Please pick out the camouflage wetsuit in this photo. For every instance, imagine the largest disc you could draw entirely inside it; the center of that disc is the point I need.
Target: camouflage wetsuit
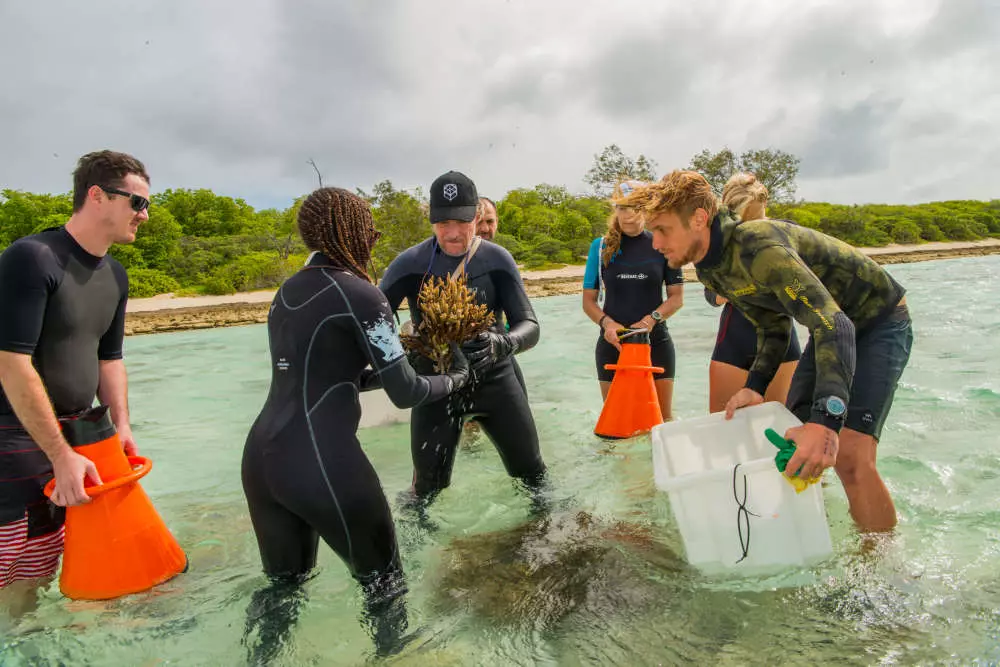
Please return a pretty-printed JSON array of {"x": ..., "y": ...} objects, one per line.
[{"x": 774, "y": 272}]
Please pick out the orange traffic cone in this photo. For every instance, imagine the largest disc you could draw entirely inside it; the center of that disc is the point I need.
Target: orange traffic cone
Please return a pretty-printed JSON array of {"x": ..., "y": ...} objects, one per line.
[
  {"x": 117, "y": 543},
  {"x": 632, "y": 407}
]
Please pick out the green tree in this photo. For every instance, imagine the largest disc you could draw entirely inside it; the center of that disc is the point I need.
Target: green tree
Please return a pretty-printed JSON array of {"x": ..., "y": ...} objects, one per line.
[
  {"x": 24, "y": 213},
  {"x": 612, "y": 165},
  {"x": 401, "y": 217},
  {"x": 776, "y": 169}
]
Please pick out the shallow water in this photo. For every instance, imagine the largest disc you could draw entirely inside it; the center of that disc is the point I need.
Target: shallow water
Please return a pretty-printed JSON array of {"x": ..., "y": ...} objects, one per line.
[{"x": 605, "y": 587}]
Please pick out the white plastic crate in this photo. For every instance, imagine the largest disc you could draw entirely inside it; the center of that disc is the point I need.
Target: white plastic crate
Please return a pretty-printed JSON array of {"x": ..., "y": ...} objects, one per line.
[{"x": 694, "y": 461}]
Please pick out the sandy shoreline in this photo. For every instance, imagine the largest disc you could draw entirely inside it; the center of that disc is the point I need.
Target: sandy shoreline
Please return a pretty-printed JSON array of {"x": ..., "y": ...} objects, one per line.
[{"x": 169, "y": 313}]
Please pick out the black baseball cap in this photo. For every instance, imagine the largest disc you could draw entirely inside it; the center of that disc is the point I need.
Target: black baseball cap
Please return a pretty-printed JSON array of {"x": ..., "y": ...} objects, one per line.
[{"x": 453, "y": 197}]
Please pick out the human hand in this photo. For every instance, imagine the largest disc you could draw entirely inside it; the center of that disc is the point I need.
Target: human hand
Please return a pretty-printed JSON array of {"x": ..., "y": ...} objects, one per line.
[
  {"x": 128, "y": 441},
  {"x": 816, "y": 448},
  {"x": 70, "y": 470},
  {"x": 487, "y": 349},
  {"x": 645, "y": 323},
  {"x": 611, "y": 332},
  {"x": 743, "y": 398},
  {"x": 459, "y": 370}
]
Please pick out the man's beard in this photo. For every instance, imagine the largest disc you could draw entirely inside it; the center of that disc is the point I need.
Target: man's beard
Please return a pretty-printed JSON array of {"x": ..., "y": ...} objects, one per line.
[{"x": 696, "y": 250}]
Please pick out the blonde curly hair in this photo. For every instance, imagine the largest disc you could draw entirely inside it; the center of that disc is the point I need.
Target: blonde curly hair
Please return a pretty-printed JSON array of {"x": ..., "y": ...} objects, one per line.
[
  {"x": 681, "y": 191},
  {"x": 744, "y": 194}
]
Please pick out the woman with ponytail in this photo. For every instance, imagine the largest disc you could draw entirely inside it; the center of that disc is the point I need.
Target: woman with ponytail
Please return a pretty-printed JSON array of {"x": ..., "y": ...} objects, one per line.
[
  {"x": 736, "y": 342},
  {"x": 630, "y": 274},
  {"x": 305, "y": 476}
]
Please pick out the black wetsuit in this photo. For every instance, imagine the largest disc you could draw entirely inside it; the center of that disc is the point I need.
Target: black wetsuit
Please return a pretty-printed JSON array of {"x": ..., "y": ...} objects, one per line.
[
  {"x": 65, "y": 308},
  {"x": 633, "y": 280},
  {"x": 497, "y": 400},
  {"x": 304, "y": 473}
]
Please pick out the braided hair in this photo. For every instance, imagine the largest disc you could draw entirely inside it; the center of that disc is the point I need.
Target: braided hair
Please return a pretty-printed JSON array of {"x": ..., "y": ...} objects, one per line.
[{"x": 339, "y": 224}]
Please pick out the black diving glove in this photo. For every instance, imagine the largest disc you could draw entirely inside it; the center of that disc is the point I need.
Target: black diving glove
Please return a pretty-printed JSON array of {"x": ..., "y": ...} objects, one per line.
[
  {"x": 459, "y": 371},
  {"x": 488, "y": 349}
]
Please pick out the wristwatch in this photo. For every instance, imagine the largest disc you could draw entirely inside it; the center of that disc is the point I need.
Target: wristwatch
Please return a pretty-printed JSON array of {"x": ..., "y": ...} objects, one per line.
[
  {"x": 831, "y": 407},
  {"x": 657, "y": 317}
]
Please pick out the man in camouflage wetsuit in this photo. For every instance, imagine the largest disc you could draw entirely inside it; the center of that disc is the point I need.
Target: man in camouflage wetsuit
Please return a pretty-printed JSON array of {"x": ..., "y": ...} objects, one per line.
[{"x": 860, "y": 329}]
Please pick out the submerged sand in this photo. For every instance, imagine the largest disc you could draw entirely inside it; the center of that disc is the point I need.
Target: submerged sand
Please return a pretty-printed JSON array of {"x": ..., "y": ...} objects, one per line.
[{"x": 167, "y": 312}]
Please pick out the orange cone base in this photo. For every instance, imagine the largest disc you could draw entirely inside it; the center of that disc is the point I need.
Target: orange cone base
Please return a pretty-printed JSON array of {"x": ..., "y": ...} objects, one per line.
[
  {"x": 117, "y": 543},
  {"x": 632, "y": 407}
]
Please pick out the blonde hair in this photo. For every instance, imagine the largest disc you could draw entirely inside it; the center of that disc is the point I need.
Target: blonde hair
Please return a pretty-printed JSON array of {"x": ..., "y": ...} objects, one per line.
[
  {"x": 681, "y": 192},
  {"x": 742, "y": 191},
  {"x": 613, "y": 238}
]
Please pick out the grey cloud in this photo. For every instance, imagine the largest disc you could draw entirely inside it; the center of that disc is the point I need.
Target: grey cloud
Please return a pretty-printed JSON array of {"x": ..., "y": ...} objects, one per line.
[
  {"x": 238, "y": 98},
  {"x": 960, "y": 26},
  {"x": 849, "y": 140}
]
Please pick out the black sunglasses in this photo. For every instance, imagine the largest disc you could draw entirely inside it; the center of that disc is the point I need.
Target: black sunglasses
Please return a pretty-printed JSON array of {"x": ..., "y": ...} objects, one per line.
[{"x": 137, "y": 202}]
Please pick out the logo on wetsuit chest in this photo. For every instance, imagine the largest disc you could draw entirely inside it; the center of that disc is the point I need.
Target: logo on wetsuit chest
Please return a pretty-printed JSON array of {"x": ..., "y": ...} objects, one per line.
[
  {"x": 283, "y": 364},
  {"x": 632, "y": 276},
  {"x": 382, "y": 337}
]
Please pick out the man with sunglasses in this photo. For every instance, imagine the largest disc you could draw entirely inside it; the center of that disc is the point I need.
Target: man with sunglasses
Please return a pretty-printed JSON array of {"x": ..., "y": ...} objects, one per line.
[{"x": 62, "y": 326}]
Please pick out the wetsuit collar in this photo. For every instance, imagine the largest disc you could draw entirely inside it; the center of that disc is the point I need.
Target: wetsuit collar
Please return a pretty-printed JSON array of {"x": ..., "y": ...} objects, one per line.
[
  {"x": 90, "y": 261},
  {"x": 715, "y": 243}
]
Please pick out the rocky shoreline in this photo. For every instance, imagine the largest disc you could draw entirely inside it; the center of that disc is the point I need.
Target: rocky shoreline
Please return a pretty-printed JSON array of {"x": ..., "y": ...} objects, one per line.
[{"x": 164, "y": 314}]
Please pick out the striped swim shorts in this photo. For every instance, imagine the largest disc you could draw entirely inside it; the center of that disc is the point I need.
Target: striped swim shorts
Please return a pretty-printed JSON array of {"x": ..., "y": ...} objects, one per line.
[
  {"x": 31, "y": 527},
  {"x": 30, "y": 547}
]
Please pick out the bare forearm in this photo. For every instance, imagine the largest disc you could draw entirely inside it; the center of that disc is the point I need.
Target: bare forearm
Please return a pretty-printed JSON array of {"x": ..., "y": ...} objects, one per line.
[
  {"x": 113, "y": 391},
  {"x": 26, "y": 394},
  {"x": 674, "y": 302},
  {"x": 590, "y": 306}
]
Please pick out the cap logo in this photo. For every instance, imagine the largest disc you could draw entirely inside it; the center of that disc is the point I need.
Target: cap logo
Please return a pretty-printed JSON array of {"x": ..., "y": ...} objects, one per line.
[{"x": 450, "y": 191}]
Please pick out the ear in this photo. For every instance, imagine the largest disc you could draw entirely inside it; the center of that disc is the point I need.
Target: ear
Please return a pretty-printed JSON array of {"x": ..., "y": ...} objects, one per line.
[
  {"x": 95, "y": 194},
  {"x": 701, "y": 218}
]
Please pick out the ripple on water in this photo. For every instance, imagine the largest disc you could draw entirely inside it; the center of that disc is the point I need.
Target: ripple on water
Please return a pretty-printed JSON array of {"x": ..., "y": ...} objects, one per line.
[{"x": 492, "y": 586}]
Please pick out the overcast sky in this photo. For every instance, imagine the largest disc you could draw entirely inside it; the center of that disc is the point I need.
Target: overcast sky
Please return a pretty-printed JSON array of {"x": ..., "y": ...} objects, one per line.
[{"x": 884, "y": 101}]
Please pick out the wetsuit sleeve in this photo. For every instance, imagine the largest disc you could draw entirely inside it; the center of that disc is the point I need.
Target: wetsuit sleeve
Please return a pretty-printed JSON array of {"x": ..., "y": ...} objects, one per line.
[
  {"x": 398, "y": 282},
  {"x": 774, "y": 331},
  {"x": 783, "y": 272},
  {"x": 524, "y": 328},
  {"x": 113, "y": 340},
  {"x": 672, "y": 276},
  {"x": 379, "y": 339},
  {"x": 27, "y": 277},
  {"x": 591, "y": 273}
]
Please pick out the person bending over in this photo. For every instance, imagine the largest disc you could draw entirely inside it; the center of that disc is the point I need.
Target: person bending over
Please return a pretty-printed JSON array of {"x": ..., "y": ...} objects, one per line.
[{"x": 776, "y": 272}]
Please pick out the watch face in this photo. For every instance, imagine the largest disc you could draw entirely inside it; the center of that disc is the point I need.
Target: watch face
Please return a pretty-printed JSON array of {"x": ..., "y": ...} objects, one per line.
[
  {"x": 656, "y": 315},
  {"x": 835, "y": 406}
]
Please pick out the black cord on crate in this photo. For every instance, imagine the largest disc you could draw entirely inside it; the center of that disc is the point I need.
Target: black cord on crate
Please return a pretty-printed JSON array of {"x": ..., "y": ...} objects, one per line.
[{"x": 742, "y": 515}]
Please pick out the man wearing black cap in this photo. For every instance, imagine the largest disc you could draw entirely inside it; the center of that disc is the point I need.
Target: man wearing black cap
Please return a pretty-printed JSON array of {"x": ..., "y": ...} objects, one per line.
[{"x": 496, "y": 398}]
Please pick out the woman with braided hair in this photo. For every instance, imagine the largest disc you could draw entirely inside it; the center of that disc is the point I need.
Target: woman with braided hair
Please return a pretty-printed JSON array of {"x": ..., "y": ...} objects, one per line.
[
  {"x": 624, "y": 266},
  {"x": 305, "y": 475}
]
